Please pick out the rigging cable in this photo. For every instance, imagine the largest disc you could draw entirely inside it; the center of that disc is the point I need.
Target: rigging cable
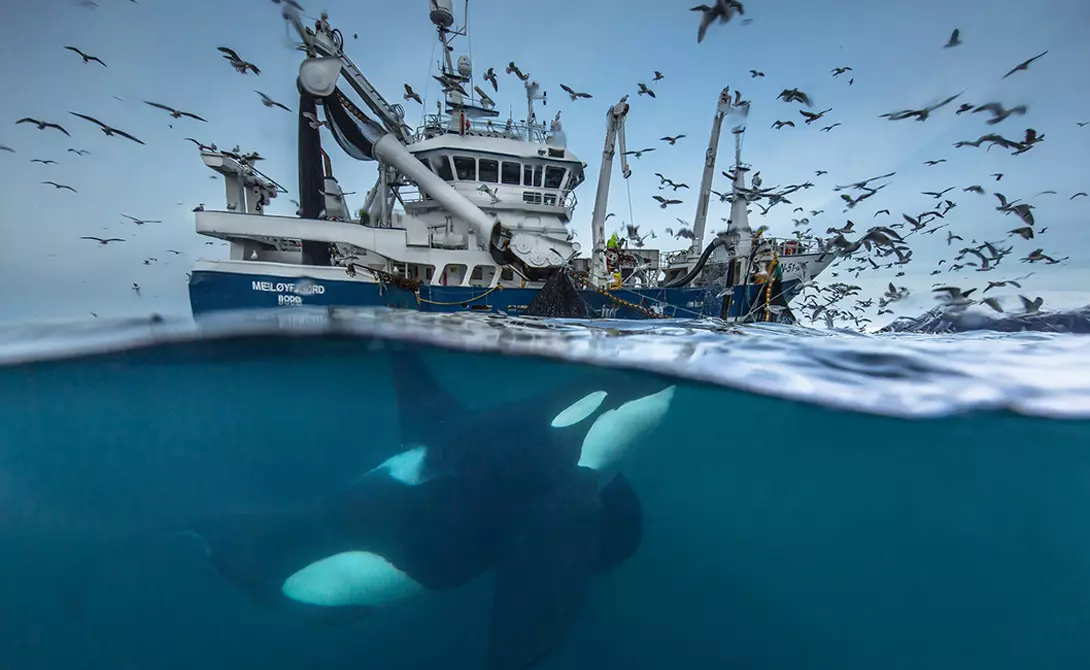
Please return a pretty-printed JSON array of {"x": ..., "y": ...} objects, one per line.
[
  {"x": 469, "y": 41},
  {"x": 427, "y": 89},
  {"x": 631, "y": 212}
]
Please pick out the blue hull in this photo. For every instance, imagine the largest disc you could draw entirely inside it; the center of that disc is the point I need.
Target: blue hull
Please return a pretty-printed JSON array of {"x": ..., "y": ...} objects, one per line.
[{"x": 216, "y": 291}]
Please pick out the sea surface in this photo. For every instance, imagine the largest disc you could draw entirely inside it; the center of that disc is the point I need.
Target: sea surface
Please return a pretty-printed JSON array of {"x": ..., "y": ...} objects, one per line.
[{"x": 814, "y": 499}]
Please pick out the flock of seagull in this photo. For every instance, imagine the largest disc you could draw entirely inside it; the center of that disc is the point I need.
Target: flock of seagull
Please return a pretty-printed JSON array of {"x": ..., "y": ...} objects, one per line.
[
  {"x": 237, "y": 63},
  {"x": 878, "y": 247}
]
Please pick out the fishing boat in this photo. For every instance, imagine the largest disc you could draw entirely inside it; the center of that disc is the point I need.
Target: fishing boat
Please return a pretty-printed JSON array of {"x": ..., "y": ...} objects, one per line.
[{"x": 472, "y": 213}]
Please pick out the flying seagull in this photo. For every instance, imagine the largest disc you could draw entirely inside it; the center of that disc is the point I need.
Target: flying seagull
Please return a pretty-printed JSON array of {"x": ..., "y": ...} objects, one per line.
[
  {"x": 107, "y": 129},
  {"x": 269, "y": 102},
  {"x": 175, "y": 113},
  {"x": 60, "y": 186},
  {"x": 42, "y": 125},
  {"x": 86, "y": 58},
  {"x": 237, "y": 62}
]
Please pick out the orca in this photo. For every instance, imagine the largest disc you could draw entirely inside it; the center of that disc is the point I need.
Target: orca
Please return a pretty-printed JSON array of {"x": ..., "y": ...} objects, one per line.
[{"x": 529, "y": 489}]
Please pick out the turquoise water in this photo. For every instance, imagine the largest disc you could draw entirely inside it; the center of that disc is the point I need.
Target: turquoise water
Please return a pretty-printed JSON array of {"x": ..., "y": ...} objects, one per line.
[{"x": 811, "y": 500}]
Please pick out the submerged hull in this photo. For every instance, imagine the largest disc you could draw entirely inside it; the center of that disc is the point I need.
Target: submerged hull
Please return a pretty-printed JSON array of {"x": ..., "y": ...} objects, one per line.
[{"x": 214, "y": 288}]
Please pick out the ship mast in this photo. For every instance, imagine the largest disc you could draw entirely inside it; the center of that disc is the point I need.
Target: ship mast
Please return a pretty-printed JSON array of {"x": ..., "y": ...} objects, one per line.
[{"x": 739, "y": 206}]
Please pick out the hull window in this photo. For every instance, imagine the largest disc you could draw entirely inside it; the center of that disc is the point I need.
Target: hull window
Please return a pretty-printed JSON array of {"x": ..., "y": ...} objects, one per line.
[
  {"x": 488, "y": 171},
  {"x": 554, "y": 177},
  {"x": 531, "y": 175},
  {"x": 465, "y": 168},
  {"x": 441, "y": 166},
  {"x": 510, "y": 173}
]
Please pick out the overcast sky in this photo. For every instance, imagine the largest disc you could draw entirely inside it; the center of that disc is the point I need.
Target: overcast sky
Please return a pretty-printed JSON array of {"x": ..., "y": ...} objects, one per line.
[{"x": 165, "y": 51}]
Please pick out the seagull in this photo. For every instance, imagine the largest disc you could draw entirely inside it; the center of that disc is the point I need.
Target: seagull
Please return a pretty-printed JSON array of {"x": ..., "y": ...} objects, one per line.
[
  {"x": 236, "y": 61},
  {"x": 86, "y": 58},
  {"x": 315, "y": 123},
  {"x": 723, "y": 10},
  {"x": 175, "y": 113},
  {"x": 658, "y": 76},
  {"x": 107, "y": 129},
  {"x": 1001, "y": 284},
  {"x": 756, "y": 73},
  {"x": 645, "y": 91},
  {"x": 139, "y": 222},
  {"x": 410, "y": 94},
  {"x": 671, "y": 140},
  {"x": 42, "y": 125},
  {"x": 793, "y": 95},
  {"x": 811, "y": 116},
  {"x": 269, "y": 102},
  {"x": 514, "y": 69},
  {"x": 575, "y": 95},
  {"x": 9, "y": 149},
  {"x": 43, "y": 162},
  {"x": 1024, "y": 65},
  {"x": 837, "y": 71},
  {"x": 490, "y": 76},
  {"x": 60, "y": 186},
  {"x": 79, "y": 152},
  {"x": 1000, "y": 113},
  {"x": 955, "y": 39},
  {"x": 102, "y": 241}
]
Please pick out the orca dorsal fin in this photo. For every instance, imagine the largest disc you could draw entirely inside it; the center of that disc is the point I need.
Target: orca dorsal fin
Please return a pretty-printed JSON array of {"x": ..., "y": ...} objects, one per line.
[{"x": 426, "y": 411}]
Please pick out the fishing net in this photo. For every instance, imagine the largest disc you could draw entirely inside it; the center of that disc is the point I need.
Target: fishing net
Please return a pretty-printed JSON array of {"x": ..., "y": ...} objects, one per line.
[{"x": 559, "y": 298}]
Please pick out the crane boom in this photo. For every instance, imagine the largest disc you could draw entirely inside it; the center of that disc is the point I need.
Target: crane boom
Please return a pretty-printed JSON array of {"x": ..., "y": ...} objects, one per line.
[
  {"x": 701, "y": 218},
  {"x": 615, "y": 137},
  {"x": 321, "y": 43}
]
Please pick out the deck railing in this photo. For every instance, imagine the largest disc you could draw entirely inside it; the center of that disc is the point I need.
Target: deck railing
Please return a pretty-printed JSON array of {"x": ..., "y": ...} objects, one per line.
[{"x": 436, "y": 125}]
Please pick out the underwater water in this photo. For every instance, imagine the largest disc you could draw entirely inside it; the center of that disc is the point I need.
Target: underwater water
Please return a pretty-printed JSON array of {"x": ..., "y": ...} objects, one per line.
[{"x": 811, "y": 500}]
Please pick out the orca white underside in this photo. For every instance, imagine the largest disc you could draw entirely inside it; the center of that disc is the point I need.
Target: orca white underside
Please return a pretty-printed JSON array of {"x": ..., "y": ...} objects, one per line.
[
  {"x": 615, "y": 431},
  {"x": 351, "y": 578}
]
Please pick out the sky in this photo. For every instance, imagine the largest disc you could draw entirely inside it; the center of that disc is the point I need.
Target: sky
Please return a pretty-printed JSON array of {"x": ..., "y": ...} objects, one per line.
[{"x": 165, "y": 51}]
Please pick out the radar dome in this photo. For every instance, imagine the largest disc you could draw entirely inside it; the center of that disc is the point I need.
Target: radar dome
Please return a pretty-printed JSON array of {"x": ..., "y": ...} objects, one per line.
[
  {"x": 465, "y": 66},
  {"x": 442, "y": 13}
]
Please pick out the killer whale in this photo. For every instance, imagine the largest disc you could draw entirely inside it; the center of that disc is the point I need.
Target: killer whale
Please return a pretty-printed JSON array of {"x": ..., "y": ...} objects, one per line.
[{"x": 529, "y": 489}]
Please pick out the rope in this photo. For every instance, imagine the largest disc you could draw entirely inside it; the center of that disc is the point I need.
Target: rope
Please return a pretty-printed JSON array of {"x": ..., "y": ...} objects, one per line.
[
  {"x": 631, "y": 213},
  {"x": 620, "y": 301},
  {"x": 768, "y": 284},
  {"x": 497, "y": 287},
  {"x": 427, "y": 89},
  {"x": 397, "y": 280}
]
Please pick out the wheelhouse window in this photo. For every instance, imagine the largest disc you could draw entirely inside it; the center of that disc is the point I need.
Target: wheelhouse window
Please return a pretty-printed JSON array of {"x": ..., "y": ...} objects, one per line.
[
  {"x": 554, "y": 176},
  {"x": 531, "y": 175},
  {"x": 488, "y": 171},
  {"x": 509, "y": 173},
  {"x": 440, "y": 165},
  {"x": 465, "y": 168}
]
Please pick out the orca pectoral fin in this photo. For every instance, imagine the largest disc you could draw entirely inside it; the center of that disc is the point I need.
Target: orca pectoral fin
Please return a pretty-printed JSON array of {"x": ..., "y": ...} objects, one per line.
[{"x": 543, "y": 579}]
